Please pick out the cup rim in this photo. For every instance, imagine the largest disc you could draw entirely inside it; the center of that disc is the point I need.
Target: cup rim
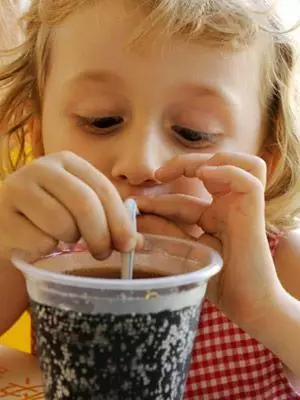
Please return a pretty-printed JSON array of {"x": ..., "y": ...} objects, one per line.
[{"x": 202, "y": 275}]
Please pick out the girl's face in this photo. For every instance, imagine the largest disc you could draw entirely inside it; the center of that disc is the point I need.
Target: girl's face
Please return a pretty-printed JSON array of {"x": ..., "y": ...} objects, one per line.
[{"x": 129, "y": 111}]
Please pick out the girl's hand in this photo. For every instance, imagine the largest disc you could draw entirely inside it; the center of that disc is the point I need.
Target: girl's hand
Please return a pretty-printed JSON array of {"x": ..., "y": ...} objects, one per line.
[
  {"x": 245, "y": 288},
  {"x": 62, "y": 197}
]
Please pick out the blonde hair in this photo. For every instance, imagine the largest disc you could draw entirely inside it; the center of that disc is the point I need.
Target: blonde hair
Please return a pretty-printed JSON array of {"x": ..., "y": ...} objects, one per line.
[{"x": 231, "y": 24}]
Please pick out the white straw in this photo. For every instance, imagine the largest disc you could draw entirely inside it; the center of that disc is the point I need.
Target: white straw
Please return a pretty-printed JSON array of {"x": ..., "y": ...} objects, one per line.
[{"x": 127, "y": 259}]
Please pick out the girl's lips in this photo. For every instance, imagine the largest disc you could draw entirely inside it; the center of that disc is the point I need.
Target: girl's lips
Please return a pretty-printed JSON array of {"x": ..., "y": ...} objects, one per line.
[{"x": 142, "y": 191}]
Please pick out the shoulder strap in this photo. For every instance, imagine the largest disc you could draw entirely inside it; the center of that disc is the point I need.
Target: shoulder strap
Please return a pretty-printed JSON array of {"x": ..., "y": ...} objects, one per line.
[{"x": 274, "y": 240}]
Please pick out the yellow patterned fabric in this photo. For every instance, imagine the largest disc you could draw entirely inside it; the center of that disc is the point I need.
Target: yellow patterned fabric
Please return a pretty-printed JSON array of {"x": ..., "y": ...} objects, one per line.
[{"x": 18, "y": 337}]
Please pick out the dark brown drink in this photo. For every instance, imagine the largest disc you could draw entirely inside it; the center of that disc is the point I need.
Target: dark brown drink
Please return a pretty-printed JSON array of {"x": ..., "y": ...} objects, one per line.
[{"x": 114, "y": 273}]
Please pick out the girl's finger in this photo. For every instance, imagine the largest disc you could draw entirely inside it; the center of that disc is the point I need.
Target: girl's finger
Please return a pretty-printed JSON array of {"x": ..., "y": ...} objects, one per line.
[
  {"x": 231, "y": 178},
  {"x": 183, "y": 165},
  {"x": 247, "y": 162},
  {"x": 190, "y": 214},
  {"x": 118, "y": 220},
  {"x": 187, "y": 165},
  {"x": 99, "y": 211},
  {"x": 46, "y": 213},
  {"x": 21, "y": 234},
  {"x": 158, "y": 225},
  {"x": 85, "y": 206},
  {"x": 177, "y": 207}
]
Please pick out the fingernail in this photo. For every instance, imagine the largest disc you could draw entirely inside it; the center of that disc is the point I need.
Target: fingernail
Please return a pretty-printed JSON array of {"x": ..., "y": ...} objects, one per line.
[
  {"x": 103, "y": 256},
  {"x": 159, "y": 172},
  {"x": 204, "y": 170},
  {"x": 139, "y": 242},
  {"x": 129, "y": 245}
]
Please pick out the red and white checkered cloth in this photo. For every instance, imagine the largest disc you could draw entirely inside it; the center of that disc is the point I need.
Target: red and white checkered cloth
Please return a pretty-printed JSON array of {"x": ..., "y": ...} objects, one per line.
[{"x": 227, "y": 364}]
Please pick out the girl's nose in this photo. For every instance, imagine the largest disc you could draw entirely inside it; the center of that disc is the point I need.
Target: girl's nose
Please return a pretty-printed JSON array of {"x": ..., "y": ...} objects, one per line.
[{"x": 138, "y": 159}]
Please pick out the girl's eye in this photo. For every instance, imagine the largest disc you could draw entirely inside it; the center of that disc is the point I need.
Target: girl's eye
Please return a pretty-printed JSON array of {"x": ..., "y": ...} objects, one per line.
[
  {"x": 104, "y": 124},
  {"x": 194, "y": 137}
]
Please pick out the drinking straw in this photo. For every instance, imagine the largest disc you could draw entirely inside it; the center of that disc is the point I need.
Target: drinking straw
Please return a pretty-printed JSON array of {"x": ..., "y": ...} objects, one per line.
[{"x": 127, "y": 263}]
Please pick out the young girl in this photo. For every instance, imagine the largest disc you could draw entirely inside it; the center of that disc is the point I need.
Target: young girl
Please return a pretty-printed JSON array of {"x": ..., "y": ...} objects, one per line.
[{"x": 190, "y": 107}]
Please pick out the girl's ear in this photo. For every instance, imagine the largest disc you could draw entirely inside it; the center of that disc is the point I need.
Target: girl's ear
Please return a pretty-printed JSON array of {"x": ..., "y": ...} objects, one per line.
[{"x": 35, "y": 134}]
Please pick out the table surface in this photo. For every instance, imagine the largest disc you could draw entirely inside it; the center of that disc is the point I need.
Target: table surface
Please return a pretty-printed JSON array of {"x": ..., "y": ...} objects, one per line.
[{"x": 19, "y": 376}]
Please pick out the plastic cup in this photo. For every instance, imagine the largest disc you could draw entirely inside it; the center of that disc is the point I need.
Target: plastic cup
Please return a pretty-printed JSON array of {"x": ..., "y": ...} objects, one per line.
[{"x": 113, "y": 339}]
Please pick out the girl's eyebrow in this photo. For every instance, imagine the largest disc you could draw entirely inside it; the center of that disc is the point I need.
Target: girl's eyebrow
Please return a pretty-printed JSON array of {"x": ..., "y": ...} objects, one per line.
[
  {"x": 95, "y": 77},
  {"x": 220, "y": 92},
  {"x": 104, "y": 77}
]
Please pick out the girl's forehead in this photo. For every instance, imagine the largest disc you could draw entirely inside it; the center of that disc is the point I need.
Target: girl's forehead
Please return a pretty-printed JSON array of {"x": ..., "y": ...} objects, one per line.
[
  {"x": 97, "y": 38},
  {"x": 134, "y": 21}
]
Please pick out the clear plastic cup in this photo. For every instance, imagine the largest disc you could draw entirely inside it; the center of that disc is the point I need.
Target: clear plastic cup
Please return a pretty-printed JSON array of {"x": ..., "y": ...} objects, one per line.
[{"x": 113, "y": 339}]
